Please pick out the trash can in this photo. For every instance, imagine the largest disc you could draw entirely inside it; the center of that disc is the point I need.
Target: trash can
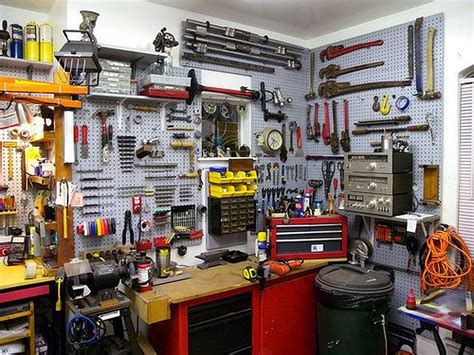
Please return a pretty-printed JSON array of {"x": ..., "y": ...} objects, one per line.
[{"x": 353, "y": 305}]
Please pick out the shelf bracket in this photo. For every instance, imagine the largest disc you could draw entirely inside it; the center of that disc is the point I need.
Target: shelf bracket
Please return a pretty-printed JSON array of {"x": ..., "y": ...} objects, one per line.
[
  {"x": 29, "y": 72},
  {"x": 119, "y": 113}
]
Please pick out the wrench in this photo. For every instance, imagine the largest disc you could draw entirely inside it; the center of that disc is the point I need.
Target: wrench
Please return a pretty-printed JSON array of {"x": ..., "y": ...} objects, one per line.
[
  {"x": 332, "y": 52},
  {"x": 292, "y": 127},
  {"x": 172, "y": 118},
  {"x": 269, "y": 172},
  {"x": 332, "y": 88},
  {"x": 332, "y": 71}
]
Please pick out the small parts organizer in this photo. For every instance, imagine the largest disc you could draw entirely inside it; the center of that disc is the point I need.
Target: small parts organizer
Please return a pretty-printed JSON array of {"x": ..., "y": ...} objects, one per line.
[{"x": 224, "y": 183}]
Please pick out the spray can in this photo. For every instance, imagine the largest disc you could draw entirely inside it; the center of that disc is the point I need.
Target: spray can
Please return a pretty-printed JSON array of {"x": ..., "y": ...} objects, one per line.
[
  {"x": 16, "y": 44},
  {"x": 261, "y": 246},
  {"x": 46, "y": 43},
  {"x": 31, "y": 38}
]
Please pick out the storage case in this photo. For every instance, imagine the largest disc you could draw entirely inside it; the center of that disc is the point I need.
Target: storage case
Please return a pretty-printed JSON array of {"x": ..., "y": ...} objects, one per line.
[{"x": 309, "y": 237}]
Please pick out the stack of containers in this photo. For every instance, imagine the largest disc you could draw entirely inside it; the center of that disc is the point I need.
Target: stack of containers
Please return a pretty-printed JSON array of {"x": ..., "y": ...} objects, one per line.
[
  {"x": 34, "y": 42},
  {"x": 114, "y": 78}
]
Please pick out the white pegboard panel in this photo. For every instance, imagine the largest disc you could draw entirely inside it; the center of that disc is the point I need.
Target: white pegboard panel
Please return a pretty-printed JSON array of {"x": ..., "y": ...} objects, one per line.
[
  {"x": 394, "y": 53},
  {"x": 115, "y": 207}
]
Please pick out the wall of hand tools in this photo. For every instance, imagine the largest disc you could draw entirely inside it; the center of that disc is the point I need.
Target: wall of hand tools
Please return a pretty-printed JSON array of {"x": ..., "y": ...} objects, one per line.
[
  {"x": 108, "y": 187},
  {"x": 426, "y": 146},
  {"x": 11, "y": 157}
]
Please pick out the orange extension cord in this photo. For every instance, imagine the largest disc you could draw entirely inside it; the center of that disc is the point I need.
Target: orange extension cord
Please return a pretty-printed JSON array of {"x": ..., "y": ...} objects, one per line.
[{"x": 439, "y": 270}]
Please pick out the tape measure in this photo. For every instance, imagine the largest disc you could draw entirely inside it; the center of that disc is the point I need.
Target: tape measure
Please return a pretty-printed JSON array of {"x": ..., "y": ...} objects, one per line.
[{"x": 249, "y": 273}]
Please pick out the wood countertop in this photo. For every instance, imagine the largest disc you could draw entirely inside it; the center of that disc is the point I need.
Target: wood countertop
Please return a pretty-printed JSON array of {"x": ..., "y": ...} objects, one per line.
[{"x": 154, "y": 306}]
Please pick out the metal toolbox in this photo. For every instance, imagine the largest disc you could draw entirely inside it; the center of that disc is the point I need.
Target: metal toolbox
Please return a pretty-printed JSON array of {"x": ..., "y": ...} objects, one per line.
[
  {"x": 389, "y": 184},
  {"x": 309, "y": 238}
]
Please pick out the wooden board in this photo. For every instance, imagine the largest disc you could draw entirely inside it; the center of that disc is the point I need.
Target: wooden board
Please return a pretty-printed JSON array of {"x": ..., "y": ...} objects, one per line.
[
  {"x": 14, "y": 276},
  {"x": 154, "y": 306}
]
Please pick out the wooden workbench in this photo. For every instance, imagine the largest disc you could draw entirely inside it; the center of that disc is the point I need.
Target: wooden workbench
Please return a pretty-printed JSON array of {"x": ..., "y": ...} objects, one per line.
[
  {"x": 14, "y": 276},
  {"x": 154, "y": 306}
]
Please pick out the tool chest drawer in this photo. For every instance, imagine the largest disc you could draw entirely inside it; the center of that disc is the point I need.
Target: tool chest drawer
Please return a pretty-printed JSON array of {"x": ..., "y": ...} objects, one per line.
[
  {"x": 221, "y": 327},
  {"x": 231, "y": 215},
  {"x": 309, "y": 238}
]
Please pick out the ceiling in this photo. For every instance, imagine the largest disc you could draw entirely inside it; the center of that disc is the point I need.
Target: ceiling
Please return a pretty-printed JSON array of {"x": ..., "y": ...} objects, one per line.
[
  {"x": 304, "y": 19},
  {"x": 32, "y": 5}
]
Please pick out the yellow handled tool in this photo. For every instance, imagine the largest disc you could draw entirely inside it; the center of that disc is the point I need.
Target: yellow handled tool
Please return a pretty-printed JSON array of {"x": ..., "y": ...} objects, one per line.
[{"x": 59, "y": 305}]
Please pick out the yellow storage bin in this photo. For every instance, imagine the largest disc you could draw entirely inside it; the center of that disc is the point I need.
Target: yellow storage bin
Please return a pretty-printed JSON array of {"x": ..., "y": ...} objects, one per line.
[
  {"x": 251, "y": 176},
  {"x": 251, "y": 189},
  {"x": 239, "y": 177},
  {"x": 218, "y": 178},
  {"x": 222, "y": 191},
  {"x": 240, "y": 190}
]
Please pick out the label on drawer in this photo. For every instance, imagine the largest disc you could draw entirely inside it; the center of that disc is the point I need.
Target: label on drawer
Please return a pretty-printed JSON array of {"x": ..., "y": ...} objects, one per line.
[{"x": 315, "y": 248}]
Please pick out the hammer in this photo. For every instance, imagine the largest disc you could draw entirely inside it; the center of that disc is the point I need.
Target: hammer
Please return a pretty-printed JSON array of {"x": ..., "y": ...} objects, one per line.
[{"x": 430, "y": 94}]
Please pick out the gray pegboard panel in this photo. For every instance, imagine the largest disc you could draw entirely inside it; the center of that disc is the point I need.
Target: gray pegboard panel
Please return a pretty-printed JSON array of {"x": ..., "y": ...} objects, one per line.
[
  {"x": 24, "y": 199},
  {"x": 116, "y": 206},
  {"x": 394, "y": 54}
]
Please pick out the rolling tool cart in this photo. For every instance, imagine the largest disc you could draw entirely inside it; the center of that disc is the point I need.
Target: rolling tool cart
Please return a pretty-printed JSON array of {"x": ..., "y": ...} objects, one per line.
[{"x": 309, "y": 237}]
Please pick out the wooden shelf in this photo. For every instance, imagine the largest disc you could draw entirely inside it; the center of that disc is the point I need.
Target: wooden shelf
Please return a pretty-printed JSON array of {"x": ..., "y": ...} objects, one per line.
[
  {"x": 8, "y": 213},
  {"x": 8, "y": 84},
  {"x": 128, "y": 54},
  {"x": 40, "y": 180},
  {"x": 29, "y": 99},
  {"x": 15, "y": 315},
  {"x": 45, "y": 137},
  {"x": 131, "y": 98},
  {"x": 13, "y": 339},
  {"x": 24, "y": 64},
  {"x": 49, "y": 225}
]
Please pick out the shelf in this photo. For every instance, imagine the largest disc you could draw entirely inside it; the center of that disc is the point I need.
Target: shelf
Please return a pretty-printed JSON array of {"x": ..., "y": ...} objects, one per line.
[
  {"x": 8, "y": 84},
  {"x": 131, "y": 98},
  {"x": 28, "y": 99},
  {"x": 49, "y": 226},
  {"x": 45, "y": 137},
  {"x": 24, "y": 64},
  {"x": 13, "y": 339},
  {"x": 8, "y": 213},
  {"x": 128, "y": 54},
  {"x": 15, "y": 315},
  {"x": 40, "y": 180},
  {"x": 429, "y": 219}
]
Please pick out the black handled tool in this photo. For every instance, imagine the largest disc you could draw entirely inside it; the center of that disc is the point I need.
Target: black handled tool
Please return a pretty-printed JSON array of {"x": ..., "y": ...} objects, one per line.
[{"x": 127, "y": 225}]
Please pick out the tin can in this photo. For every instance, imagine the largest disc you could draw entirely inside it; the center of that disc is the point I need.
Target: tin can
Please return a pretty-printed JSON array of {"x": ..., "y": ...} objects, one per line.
[
  {"x": 16, "y": 44},
  {"x": 144, "y": 271},
  {"x": 46, "y": 43},
  {"x": 31, "y": 38}
]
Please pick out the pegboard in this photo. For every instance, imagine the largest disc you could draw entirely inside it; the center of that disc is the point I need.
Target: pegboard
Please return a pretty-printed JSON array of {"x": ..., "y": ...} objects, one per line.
[
  {"x": 126, "y": 184},
  {"x": 394, "y": 53},
  {"x": 23, "y": 199}
]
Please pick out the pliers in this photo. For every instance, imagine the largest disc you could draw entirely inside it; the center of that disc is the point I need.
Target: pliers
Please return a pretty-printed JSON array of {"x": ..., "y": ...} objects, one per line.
[{"x": 127, "y": 225}]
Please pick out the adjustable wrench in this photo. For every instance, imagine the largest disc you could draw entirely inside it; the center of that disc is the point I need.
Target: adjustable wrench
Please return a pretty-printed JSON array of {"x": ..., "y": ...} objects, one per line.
[
  {"x": 332, "y": 52},
  {"x": 334, "y": 139},
  {"x": 332, "y": 71},
  {"x": 309, "y": 129},
  {"x": 345, "y": 138}
]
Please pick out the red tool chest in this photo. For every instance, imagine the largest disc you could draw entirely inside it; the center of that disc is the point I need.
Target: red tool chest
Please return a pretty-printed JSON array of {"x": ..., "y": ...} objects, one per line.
[{"x": 309, "y": 237}]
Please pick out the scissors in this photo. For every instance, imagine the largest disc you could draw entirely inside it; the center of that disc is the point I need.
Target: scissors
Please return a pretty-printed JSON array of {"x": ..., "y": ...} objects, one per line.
[{"x": 328, "y": 168}]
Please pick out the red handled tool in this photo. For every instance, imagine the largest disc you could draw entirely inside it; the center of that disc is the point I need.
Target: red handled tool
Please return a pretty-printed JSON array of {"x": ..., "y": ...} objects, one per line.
[
  {"x": 326, "y": 127},
  {"x": 299, "y": 143},
  {"x": 335, "y": 183},
  {"x": 345, "y": 137},
  {"x": 84, "y": 144},
  {"x": 316, "y": 128},
  {"x": 332, "y": 52},
  {"x": 76, "y": 144}
]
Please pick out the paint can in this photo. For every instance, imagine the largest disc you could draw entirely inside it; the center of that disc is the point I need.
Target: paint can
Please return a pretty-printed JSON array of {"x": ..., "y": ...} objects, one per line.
[
  {"x": 16, "y": 43},
  {"x": 46, "y": 43},
  {"x": 31, "y": 38}
]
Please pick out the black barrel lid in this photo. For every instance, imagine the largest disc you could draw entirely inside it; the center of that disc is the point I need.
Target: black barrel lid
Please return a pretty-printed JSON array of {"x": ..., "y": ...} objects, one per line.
[{"x": 354, "y": 280}]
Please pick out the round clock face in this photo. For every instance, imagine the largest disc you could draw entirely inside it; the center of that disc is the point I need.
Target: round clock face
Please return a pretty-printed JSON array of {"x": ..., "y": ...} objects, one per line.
[{"x": 274, "y": 140}]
